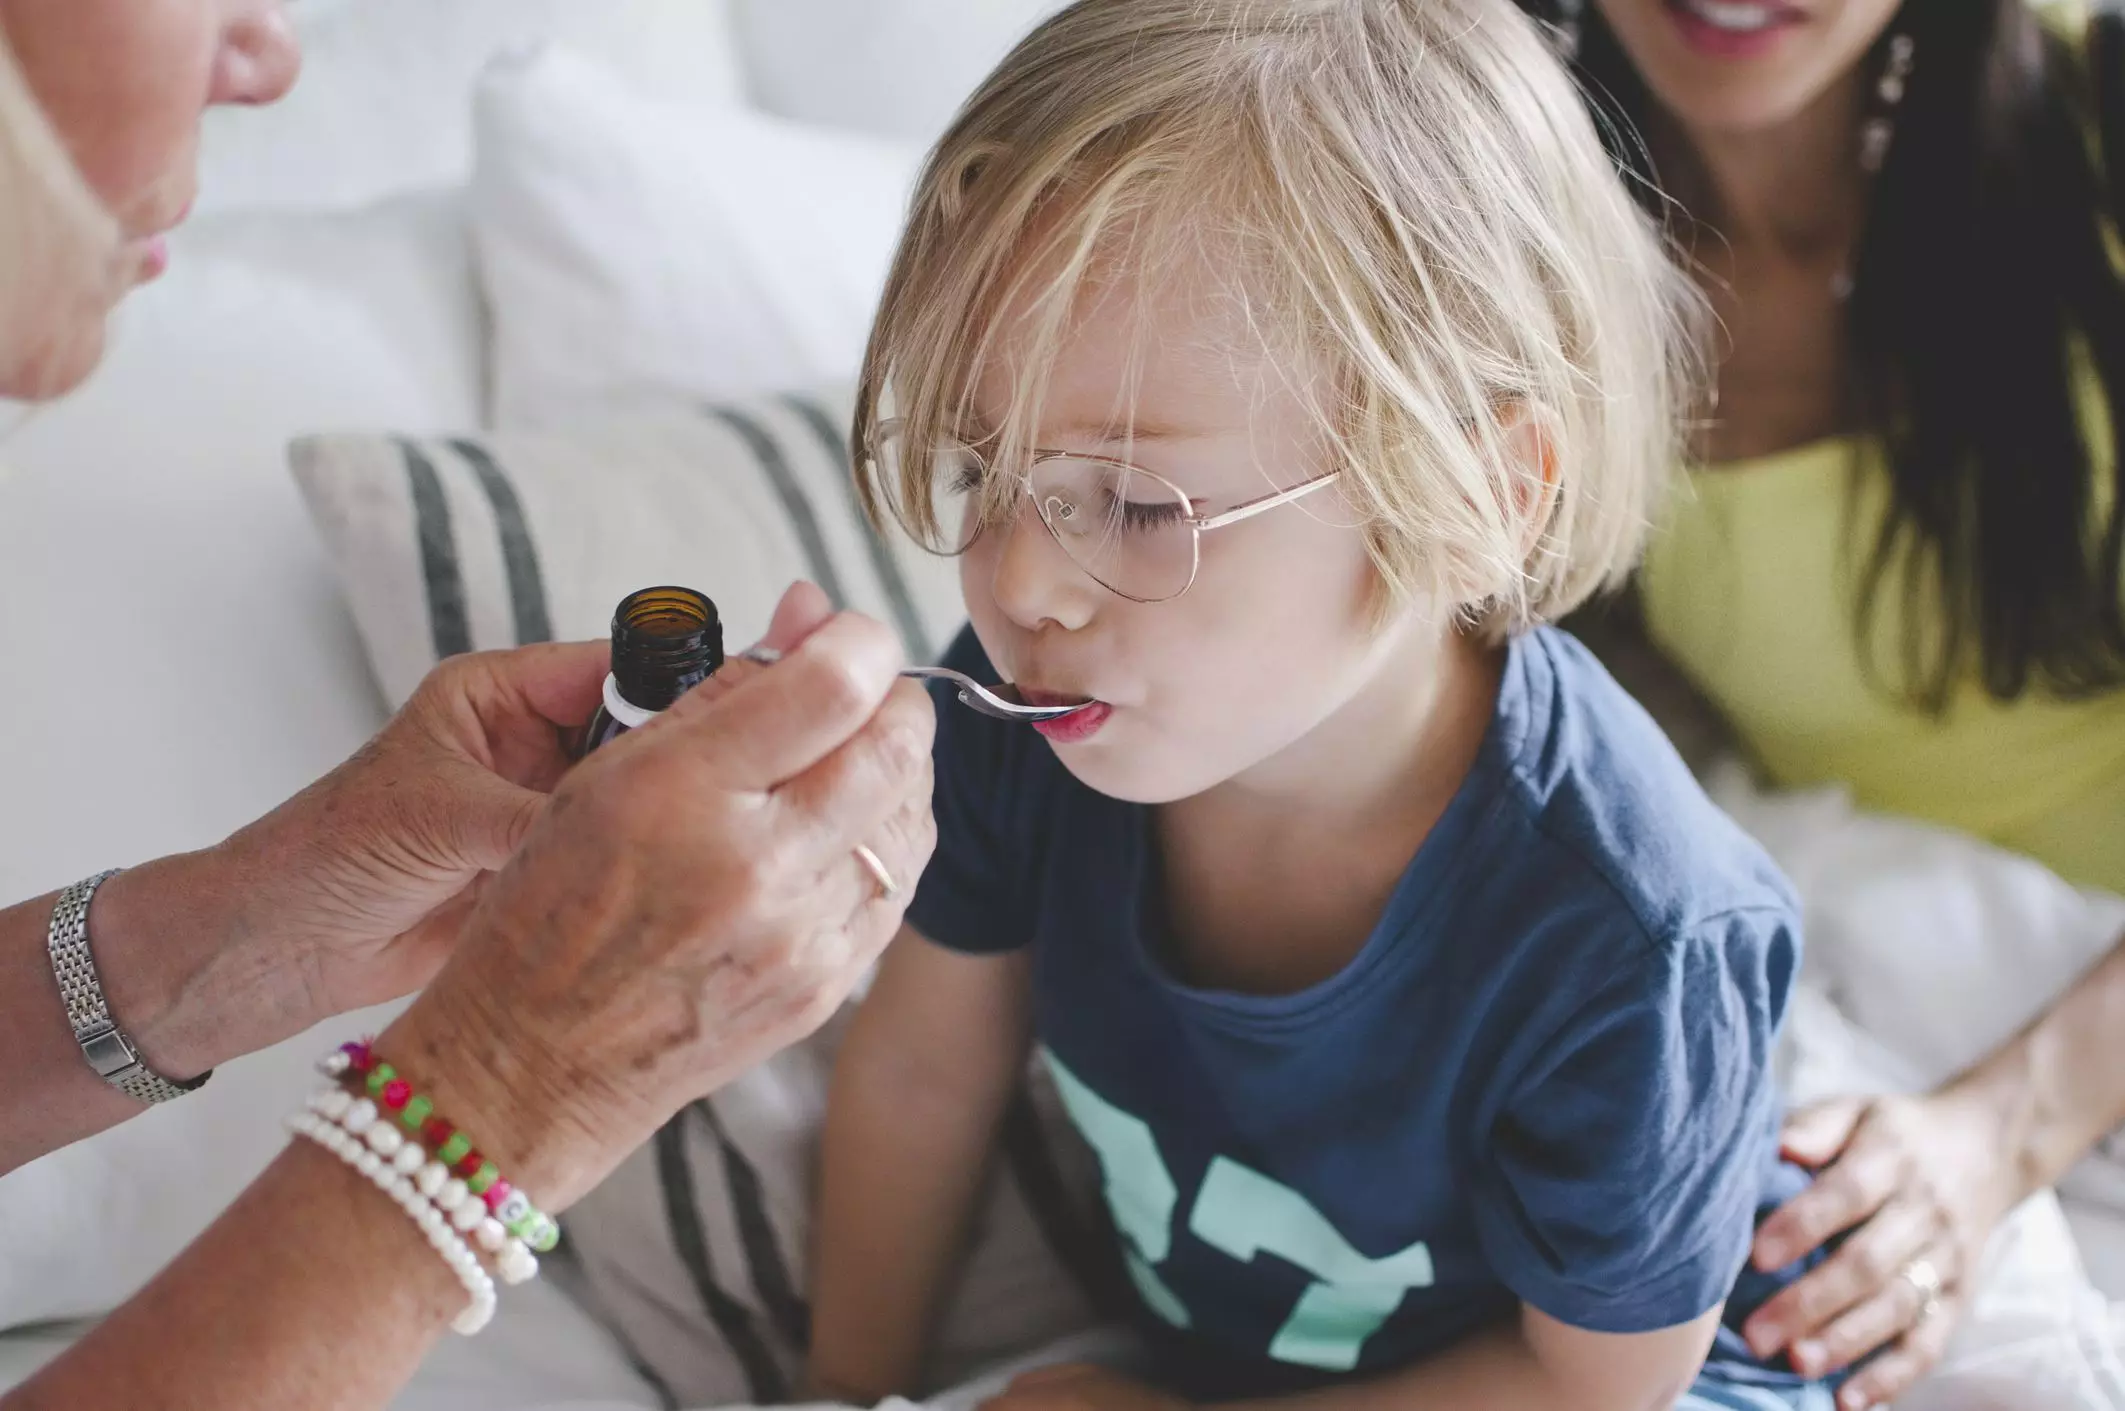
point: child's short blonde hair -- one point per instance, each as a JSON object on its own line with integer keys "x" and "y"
{"x": 1417, "y": 212}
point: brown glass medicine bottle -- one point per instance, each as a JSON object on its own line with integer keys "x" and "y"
{"x": 665, "y": 642}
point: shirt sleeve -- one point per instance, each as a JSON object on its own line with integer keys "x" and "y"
{"x": 1627, "y": 1167}
{"x": 975, "y": 897}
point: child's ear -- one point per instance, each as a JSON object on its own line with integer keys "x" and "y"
{"x": 1530, "y": 447}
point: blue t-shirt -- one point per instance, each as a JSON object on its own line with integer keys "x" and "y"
{"x": 1544, "y": 1078}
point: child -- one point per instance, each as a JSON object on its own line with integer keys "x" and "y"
{"x": 1277, "y": 366}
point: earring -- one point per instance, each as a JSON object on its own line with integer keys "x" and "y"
{"x": 1879, "y": 130}
{"x": 1565, "y": 29}
{"x": 1877, "y": 133}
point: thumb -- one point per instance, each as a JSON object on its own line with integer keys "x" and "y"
{"x": 802, "y": 611}
{"x": 1815, "y": 1135}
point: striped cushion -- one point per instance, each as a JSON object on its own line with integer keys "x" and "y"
{"x": 695, "y": 1252}
{"x": 453, "y": 544}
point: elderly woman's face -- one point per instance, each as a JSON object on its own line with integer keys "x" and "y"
{"x": 1740, "y": 66}
{"x": 125, "y": 82}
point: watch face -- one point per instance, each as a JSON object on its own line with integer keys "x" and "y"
{"x": 108, "y": 1053}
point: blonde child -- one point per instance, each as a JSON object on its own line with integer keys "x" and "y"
{"x": 1277, "y": 367}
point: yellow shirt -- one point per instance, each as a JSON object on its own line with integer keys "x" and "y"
{"x": 1752, "y": 587}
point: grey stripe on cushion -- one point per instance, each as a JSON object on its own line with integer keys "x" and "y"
{"x": 520, "y": 557}
{"x": 564, "y": 1264}
{"x": 448, "y": 621}
{"x": 919, "y": 645}
{"x": 675, "y": 1174}
{"x": 798, "y": 505}
{"x": 748, "y": 1200}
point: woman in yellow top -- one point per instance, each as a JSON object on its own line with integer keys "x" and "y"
{"x": 1900, "y": 566}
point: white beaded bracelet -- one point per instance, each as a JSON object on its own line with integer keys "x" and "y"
{"x": 467, "y": 1213}
{"x": 380, "y": 1173}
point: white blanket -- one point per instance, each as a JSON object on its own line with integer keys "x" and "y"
{"x": 1925, "y": 949}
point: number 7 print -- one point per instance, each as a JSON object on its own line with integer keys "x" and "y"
{"x": 1243, "y": 1214}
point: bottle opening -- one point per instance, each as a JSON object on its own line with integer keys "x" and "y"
{"x": 665, "y": 641}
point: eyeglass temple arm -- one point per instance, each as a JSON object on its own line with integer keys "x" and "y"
{"x": 1266, "y": 503}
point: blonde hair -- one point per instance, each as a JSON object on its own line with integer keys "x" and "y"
{"x": 60, "y": 254}
{"x": 1412, "y": 201}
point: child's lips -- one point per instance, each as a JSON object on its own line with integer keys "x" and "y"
{"x": 1080, "y": 724}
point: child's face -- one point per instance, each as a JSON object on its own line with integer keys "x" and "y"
{"x": 1277, "y": 634}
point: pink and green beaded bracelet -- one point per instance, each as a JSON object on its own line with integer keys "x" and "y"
{"x": 357, "y": 1065}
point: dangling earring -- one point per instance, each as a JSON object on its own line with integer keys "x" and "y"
{"x": 1877, "y": 133}
{"x": 1566, "y": 30}
{"x": 1879, "y": 130}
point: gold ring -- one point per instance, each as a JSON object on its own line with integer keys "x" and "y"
{"x": 1924, "y": 1276}
{"x": 887, "y": 887}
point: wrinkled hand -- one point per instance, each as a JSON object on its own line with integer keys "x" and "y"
{"x": 357, "y": 888}
{"x": 1910, "y": 1178}
{"x": 1081, "y": 1387}
{"x": 688, "y": 904}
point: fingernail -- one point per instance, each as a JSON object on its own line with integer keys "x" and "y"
{"x": 1809, "y": 1357}
{"x": 1764, "y": 1338}
{"x": 1853, "y": 1399}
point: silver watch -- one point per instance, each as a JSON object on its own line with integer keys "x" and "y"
{"x": 103, "y": 1043}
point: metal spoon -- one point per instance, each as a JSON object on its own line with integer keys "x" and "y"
{"x": 1002, "y": 701}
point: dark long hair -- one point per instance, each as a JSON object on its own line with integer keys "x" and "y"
{"x": 1983, "y": 279}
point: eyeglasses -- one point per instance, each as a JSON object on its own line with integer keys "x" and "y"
{"x": 1134, "y": 532}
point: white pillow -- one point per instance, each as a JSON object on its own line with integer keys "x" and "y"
{"x": 186, "y": 659}
{"x": 627, "y": 243}
{"x": 451, "y": 544}
{"x": 384, "y": 102}
{"x": 897, "y": 68}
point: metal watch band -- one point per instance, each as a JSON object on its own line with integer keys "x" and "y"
{"x": 103, "y": 1043}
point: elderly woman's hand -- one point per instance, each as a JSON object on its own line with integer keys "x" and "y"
{"x": 1919, "y": 1183}
{"x": 689, "y": 904}
{"x": 355, "y": 890}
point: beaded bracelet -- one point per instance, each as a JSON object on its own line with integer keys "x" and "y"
{"x": 380, "y": 1173}
{"x": 463, "y": 1183}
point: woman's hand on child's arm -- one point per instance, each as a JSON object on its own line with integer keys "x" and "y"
{"x": 1537, "y": 1365}
{"x": 1922, "y": 1182}
{"x": 930, "y": 1064}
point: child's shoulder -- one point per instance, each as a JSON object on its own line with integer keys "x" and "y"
{"x": 1600, "y": 783}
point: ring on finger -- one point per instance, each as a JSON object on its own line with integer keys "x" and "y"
{"x": 888, "y": 888}
{"x": 1924, "y": 1276}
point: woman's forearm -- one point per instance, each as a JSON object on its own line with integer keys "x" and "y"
{"x": 162, "y": 936}
{"x": 312, "y": 1291}
{"x": 2059, "y": 1085}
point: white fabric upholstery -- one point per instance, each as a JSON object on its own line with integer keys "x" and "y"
{"x": 629, "y": 244}
{"x": 384, "y": 103}
{"x": 897, "y": 68}
{"x": 466, "y": 544}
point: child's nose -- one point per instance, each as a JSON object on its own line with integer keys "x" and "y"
{"x": 1035, "y": 582}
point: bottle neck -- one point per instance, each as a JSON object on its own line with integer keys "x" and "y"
{"x": 624, "y": 711}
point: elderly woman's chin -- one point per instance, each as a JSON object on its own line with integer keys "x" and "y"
{"x": 55, "y": 364}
